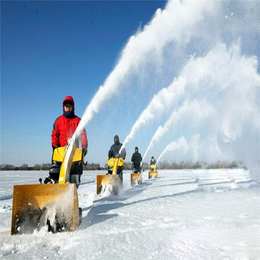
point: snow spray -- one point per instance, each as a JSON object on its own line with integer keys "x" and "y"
{"x": 180, "y": 144}
{"x": 217, "y": 106}
{"x": 199, "y": 110}
{"x": 166, "y": 26}
{"x": 164, "y": 98}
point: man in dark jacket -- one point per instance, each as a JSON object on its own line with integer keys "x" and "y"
{"x": 114, "y": 153}
{"x": 136, "y": 161}
{"x": 115, "y": 148}
{"x": 153, "y": 161}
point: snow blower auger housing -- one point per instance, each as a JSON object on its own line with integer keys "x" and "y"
{"x": 135, "y": 178}
{"x": 55, "y": 205}
{"x": 111, "y": 180}
{"x": 153, "y": 173}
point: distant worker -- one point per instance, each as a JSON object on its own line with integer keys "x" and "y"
{"x": 153, "y": 161}
{"x": 152, "y": 164}
{"x": 64, "y": 128}
{"x": 114, "y": 153}
{"x": 136, "y": 161}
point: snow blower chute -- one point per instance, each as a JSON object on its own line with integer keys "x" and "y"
{"x": 111, "y": 181}
{"x": 153, "y": 173}
{"x": 55, "y": 205}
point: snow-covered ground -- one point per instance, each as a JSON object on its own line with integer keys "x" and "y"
{"x": 185, "y": 214}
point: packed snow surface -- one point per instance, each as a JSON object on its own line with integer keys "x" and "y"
{"x": 183, "y": 214}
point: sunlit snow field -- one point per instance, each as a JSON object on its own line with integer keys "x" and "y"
{"x": 184, "y": 214}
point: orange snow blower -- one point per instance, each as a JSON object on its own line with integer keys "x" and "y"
{"x": 111, "y": 181}
{"x": 55, "y": 205}
{"x": 153, "y": 173}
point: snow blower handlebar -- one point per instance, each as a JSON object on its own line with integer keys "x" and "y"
{"x": 115, "y": 162}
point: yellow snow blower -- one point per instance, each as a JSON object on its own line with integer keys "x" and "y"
{"x": 153, "y": 173}
{"x": 53, "y": 204}
{"x": 113, "y": 179}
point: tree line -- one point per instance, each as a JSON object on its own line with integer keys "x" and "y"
{"x": 128, "y": 166}
{"x": 201, "y": 165}
{"x": 43, "y": 167}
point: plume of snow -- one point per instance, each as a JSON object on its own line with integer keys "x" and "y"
{"x": 223, "y": 86}
{"x": 180, "y": 144}
{"x": 197, "y": 110}
{"x": 164, "y": 98}
{"x": 173, "y": 24}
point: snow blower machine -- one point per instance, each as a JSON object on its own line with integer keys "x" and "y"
{"x": 112, "y": 181}
{"x": 54, "y": 203}
{"x": 153, "y": 173}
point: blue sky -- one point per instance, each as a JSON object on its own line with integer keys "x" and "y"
{"x": 192, "y": 66}
{"x": 51, "y": 50}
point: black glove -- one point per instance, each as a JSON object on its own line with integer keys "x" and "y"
{"x": 84, "y": 150}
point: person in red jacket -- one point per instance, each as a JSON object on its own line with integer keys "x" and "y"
{"x": 64, "y": 128}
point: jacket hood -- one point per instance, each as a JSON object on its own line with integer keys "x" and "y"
{"x": 116, "y": 137}
{"x": 69, "y": 98}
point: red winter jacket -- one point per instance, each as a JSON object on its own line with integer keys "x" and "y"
{"x": 64, "y": 128}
